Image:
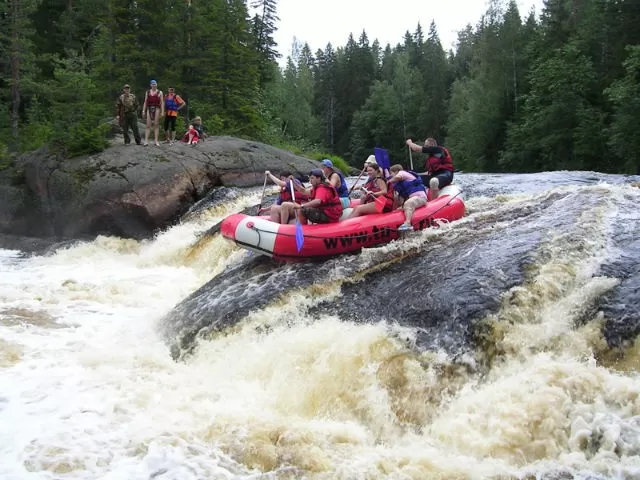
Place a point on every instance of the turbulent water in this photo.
(501, 346)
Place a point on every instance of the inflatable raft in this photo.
(261, 235)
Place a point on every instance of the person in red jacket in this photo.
(324, 206)
(438, 165)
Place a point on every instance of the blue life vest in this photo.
(406, 187)
(343, 190)
(170, 103)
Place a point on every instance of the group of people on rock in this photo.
(384, 191)
(155, 106)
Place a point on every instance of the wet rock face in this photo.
(128, 191)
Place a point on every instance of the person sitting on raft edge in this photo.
(410, 192)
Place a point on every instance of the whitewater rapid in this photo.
(88, 389)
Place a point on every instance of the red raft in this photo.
(263, 236)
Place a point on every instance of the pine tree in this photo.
(16, 52)
(263, 29)
(624, 137)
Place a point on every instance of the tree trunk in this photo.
(15, 73)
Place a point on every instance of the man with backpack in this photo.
(127, 114)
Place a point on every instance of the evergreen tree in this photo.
(263, 29)
(325, 94)
(17, 64)
(432, 116)
(624, 136)
(559, 126)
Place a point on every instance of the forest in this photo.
(522, 92)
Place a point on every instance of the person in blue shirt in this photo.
(337, 180)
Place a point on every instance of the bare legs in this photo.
(285, 212)
(410, 206)
(152, 118)
(365, 209)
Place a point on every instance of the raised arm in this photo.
(275, 179)
(414, 146)
(299, 186)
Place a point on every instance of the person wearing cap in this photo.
(172, 104)
(153, 109)
(324, 205)
(127, 114)
(336, 178)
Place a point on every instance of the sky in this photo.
(318, 22)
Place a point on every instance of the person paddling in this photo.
(285, 189)
(438, 165)
(378, 195)
(324, 205)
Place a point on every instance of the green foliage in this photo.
(624, 94)
(517, 96)
(559, 121)
(338, 162)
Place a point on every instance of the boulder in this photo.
(128, 191)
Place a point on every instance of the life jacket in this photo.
(434, 163)
(171, 102)
(285, 194)
(343, 190)
(153, 100)
(406, 187)
(372, 186)
(128, 102)
(332, 208)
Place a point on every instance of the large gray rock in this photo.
(128, 191)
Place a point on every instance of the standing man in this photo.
(127, 114)
(172, 103)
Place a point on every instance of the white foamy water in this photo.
(88, 389)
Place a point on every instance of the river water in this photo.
(504, 345)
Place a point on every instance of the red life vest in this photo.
(285, 194)
(372, 186)
(153, 100)
(435, 163)
(332, 208)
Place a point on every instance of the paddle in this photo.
(380, 201)
(299, 234)
(410, 157)
(382, 157)
(357, 180)
(264, 187)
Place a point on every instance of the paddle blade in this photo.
(382, 157)
(380, 203)
(299, 236)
